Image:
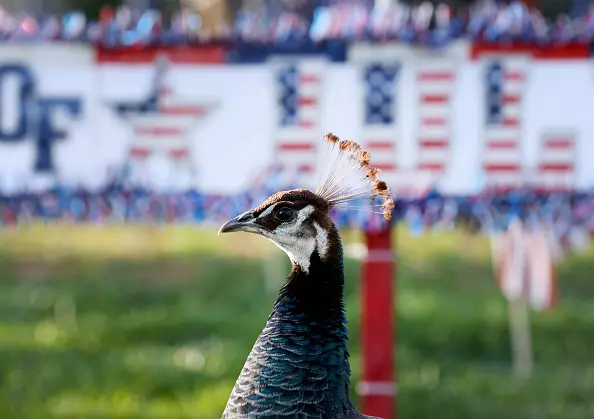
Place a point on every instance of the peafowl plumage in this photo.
(299, 366)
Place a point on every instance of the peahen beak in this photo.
(244, 222)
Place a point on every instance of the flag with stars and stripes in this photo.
(380, 129)
(504, 84)
(297, 97)
(524, 266)
(298, 128)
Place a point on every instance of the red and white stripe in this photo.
(435, 81)
(556, 165)
(159, 134)
(502, 159)
(381, 142)
(295, 146)
(166, 132)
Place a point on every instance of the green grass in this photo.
(143, 323)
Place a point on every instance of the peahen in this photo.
(299, 366)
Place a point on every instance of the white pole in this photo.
(519, 321)
(521, 339)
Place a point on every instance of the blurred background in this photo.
(130, 131)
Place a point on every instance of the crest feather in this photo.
(338, 187)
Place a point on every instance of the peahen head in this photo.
(298, 221)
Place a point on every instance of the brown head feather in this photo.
(297, 196)
(373, 173)
(333, 190)
(380, 186)
(387, 208)
(364, 158)
(344, 145)
(331, 138)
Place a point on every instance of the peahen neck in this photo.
(310, 314)
(300, 361)
(316, 296)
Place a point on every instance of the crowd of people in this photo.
(423, 24)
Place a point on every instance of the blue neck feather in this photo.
(300, 361)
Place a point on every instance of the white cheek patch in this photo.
(297, 251)
(298, 248)
(321, 240)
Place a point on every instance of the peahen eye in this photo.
(284, 214)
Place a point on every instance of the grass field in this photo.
(144, 323)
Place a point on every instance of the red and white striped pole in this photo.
(378, 387)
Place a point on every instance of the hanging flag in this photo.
(298, 128)
(380, 129)
(542, 290)
(504, 85)
(524, 266)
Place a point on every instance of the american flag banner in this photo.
(524, 266)
(436, 81)
(556, 162)
(380, 130)
(298, 128)
(505, 80)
